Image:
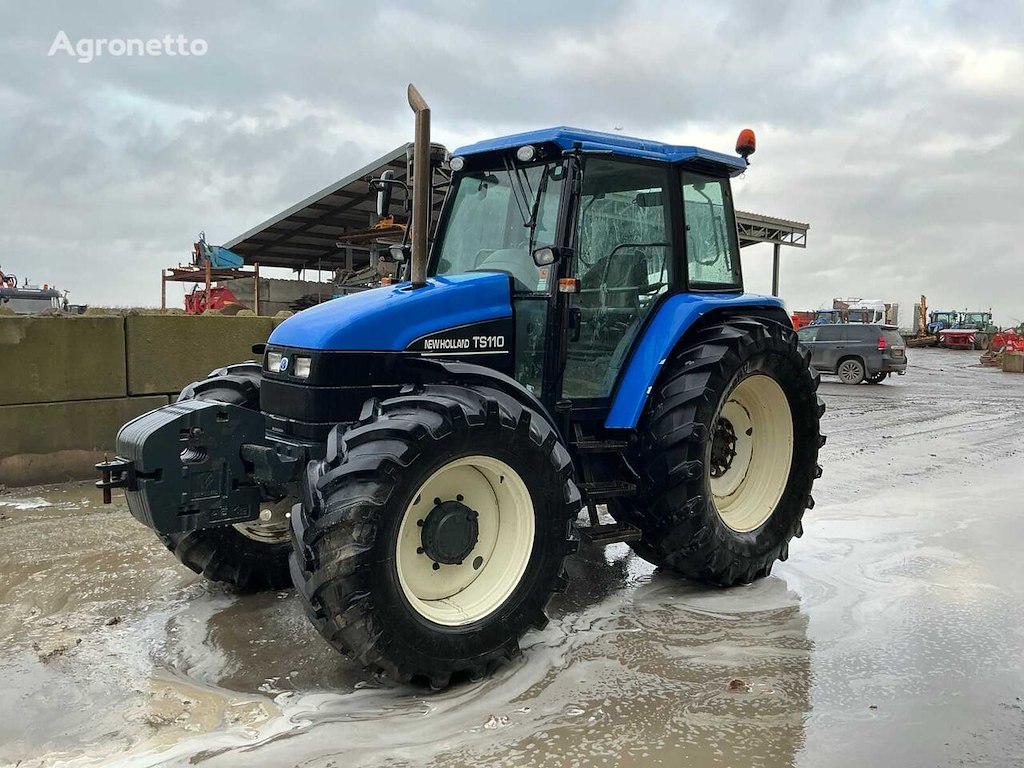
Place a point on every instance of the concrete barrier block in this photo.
(49, 359)
(73, 425)
(166, 352)
(53, 442)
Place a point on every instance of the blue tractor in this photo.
(940, 321)
(416, 458)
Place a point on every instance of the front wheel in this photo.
(434, 533)
(253, 555)
(728, 454)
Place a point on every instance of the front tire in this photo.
(434, 533)
(728, 454)
(251, 556)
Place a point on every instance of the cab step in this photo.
(606, 489)
(610, 533)
(600, 446)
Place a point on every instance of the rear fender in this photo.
(673, 323)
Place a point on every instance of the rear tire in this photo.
(877, 378)
(250, 556)
(434, 533)
(850, 371)
(728, 454)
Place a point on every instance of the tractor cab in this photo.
(976, 320)
(594, 230)
(938, 321)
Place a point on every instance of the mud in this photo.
(892, 636)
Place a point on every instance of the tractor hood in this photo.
(390, 318)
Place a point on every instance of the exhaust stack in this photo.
(421, 191)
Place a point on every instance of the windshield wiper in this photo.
(541, 188)
(525, 204)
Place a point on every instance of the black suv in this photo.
(855, 352)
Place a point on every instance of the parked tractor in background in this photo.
(414, 457)
(940, 321)
(981, 324)
(970, 330)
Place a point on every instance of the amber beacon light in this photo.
(746, 143)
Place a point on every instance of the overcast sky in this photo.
(894, 129)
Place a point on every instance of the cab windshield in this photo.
(497, 218)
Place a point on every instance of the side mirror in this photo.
(549, 254)
(384, 193)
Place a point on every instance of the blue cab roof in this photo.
(565, 137)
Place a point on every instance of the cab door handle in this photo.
(575, 323)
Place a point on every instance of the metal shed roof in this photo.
(306, 235)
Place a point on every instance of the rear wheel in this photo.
(851, 371)
(728, 454)
(877, 378)
(251, 555)
(434, 533)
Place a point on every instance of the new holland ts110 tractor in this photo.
(414, 458)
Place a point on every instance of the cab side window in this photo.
(712, 247)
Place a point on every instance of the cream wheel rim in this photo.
(751, 453)
(459, 593)
(272, 526)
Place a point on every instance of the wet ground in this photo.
(892, 636)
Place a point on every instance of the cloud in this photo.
(893, 129)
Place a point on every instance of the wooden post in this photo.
(163, 289)
(775, 269)
(256, 288)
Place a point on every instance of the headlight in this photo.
(457, 163)
(302, 365)
(274, 362)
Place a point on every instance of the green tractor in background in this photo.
(981, 324)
